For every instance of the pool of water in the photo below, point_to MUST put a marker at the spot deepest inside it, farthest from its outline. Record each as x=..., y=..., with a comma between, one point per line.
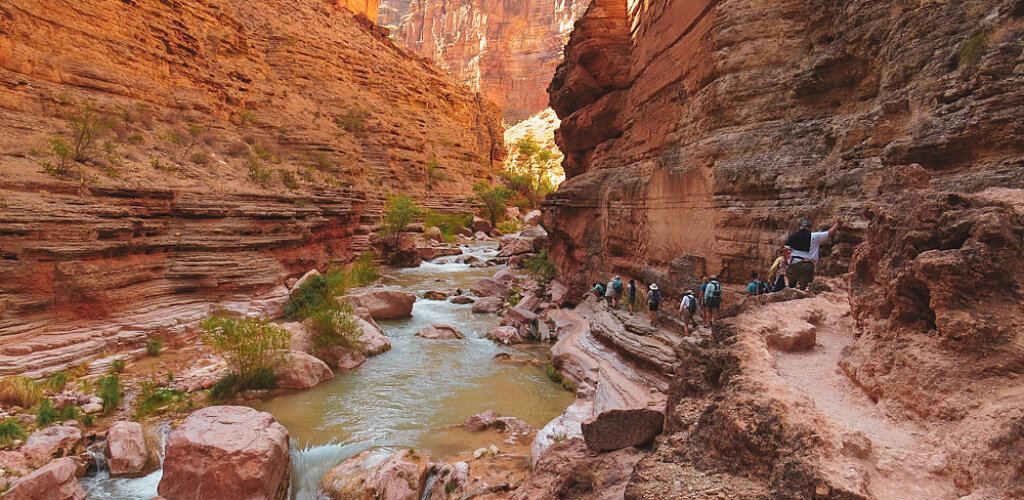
x=412, y=395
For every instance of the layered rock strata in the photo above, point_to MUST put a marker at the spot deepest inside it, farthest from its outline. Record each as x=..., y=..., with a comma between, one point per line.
x=711, y=128
x=506, y=50
x=238, y=144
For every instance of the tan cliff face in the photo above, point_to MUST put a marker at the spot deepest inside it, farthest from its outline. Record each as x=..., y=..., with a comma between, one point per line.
x=507, y=50
x=248, y=142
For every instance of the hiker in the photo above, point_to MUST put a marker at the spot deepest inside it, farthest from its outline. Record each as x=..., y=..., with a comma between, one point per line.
x=617, y=287
x=777, y=273
x=712, y=300
x=653, y=302
x=700, y=297
x=631, y=292
x=805, y=245
x=598, y=291
x=687, y=310
x=757, y=286
x=609, y=293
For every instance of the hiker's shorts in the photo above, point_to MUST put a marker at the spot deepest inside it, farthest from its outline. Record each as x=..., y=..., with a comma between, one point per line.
x=800, y=273
x=654, y=306
x=686, y=315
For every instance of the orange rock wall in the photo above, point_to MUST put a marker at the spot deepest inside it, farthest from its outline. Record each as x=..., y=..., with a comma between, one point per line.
x=368, y=8
x=508, y=50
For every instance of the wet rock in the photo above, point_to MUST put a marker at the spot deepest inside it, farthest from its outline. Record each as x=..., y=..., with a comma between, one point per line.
x=794, y=335
x=480, y=421
x=481, y=225
x=519, y=261
x=490, y=288
x=433, y=233
x=532, y=218
x=226, y=452
x=431, y=253
x=342, y=358
x=54, y=481
x=301, y=371
x=452, y=481
x=507, y=335
x=491, y=420
x=467, y=259
x=436, y=295
x=54, y=441
x=519, y=316
x=481, y=236
x=511, y=245
x=617, y=429
x=488, y=305
x=125, y=450
x=507, y=358
x=372, y=340
x=371, y=475
x=462, y=299
x=305, y=277
x=504, y=276
x=440, y=332
x=533, y=232
x=384, y=304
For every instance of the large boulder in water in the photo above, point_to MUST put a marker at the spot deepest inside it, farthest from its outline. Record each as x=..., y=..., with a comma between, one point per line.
x=372, y=340
x=372, y=475
x=384, y=304
x=301, y=371
x=511, y=245
x=481, y=225
x=440, y=332
x=44, y=444
x=125, y=450
x=490, y=288
x=54, y=481
x=488, y=305
x=226, y=452
x=505, y=335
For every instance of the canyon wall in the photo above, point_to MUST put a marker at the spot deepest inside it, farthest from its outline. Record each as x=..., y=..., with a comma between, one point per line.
x=507, y=50
x=236, y=144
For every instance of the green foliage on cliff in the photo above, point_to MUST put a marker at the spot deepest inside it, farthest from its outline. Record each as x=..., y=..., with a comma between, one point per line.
x=536, y=171
x=542, y=268
x=492, y=200
x=399, y=211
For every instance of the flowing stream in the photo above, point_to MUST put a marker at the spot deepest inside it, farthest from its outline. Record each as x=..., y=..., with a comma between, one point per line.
x=408, y=397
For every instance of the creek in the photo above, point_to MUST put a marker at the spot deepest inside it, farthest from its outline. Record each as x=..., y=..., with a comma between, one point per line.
x=409, y=397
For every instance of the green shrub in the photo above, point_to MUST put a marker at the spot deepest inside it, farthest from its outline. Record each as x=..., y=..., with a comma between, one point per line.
x=110, y=392
x=559, y=379
x=248, y=345
x=449, y=224
x=400, y=210
x=492, y=200
x=153, y=400
x=352, y=120
x=20, y=391
x=974, y=48
x=56, y=382
x=315, y=294
x=336, y=326
x=509, y=226
x=246, y=118
x=256, y=170
x=153, y=347
x=70, y=412
x=46, y=414
x=224, y=388
x=542, y=268
x=11, y=429
x=201, y=158
x=88, y=420
x=118, y=365
x=363, y=271
x=288, y=179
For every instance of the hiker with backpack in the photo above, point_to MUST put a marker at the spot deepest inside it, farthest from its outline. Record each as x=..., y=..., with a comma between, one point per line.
x=712, y=300
x=654, y=302
x=757, y=286
x=631, y=293
x=777, y=273
x=598, y=291
x=617, y=288
x=687, y=311
x=700, y=297
x=609, y=293
x=805, y=245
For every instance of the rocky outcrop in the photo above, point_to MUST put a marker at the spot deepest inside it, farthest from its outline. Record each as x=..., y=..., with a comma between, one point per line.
x=54, y=481
x=712, y=127
x=242, y=139
x=440, y=332
x=622, y=428
x=52, y=442
x=125, y=450
x=506, y=51
x=373, y=474
x=570, y=470
x=226, y=452
x=384, y=304
x=302, y=371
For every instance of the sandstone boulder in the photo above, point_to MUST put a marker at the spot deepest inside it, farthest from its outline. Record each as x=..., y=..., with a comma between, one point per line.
x=435, y=295
x=481, y=225
x=534, y=232
x=452, y=482
x=14, y=462
x=301, y=371
x=519, y=316
x=305, y=277
x=504, y=276
x=301, y=337
x=530, y=302
x=384, y=304
x=481, y=236
x=511, y=245
x=507, y=335
x=433, y=233
x=372, y=340
x=490, y=288
x=431, y=253
x=467, y=259
x=226, y=452
x=462, y=299
x=54, y=481
x=519, y=261
x=91, y=408
x=795, y=335
x=371, y=476
x=617, y=429
x=532, y=218
x=55, y=441
x=480, y=421
x=341, y=358
x=440, y=332
x=125, y=450
x=488, y=305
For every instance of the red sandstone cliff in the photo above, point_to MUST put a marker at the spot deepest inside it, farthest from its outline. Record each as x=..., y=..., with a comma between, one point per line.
x=248, y=142
x=506, y=50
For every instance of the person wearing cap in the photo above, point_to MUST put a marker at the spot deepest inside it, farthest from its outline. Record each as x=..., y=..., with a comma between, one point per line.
x=712, y=300
x=687, y=311
x=804, y=246
x=653, y=302
x=617, y=287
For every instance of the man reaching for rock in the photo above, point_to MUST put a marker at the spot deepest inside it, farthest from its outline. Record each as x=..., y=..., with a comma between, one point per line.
x=805, y=245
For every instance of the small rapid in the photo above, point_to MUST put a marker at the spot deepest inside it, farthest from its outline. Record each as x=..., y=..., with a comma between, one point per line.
x=412, y=396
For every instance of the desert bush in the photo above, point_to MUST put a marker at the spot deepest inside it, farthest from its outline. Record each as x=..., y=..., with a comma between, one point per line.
x=509, y=226
x=88, y=420
x=247, y=345
x=110, y=392
x=153, y=400
x=974, y=48
x=201, y=158
x=449, y=224
x=256, y=170
x=247, y=118
x=153, y=347
x=46, y=414
x=492, y=200
x=542, y=268
x=20, y=391
x=400, y=210
x=362, y=271
x=12, y=429
x=288, y=179
x=70, y=412
x=336, y=326
x=117, y=366
x=352, y=120
x=56, y=382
